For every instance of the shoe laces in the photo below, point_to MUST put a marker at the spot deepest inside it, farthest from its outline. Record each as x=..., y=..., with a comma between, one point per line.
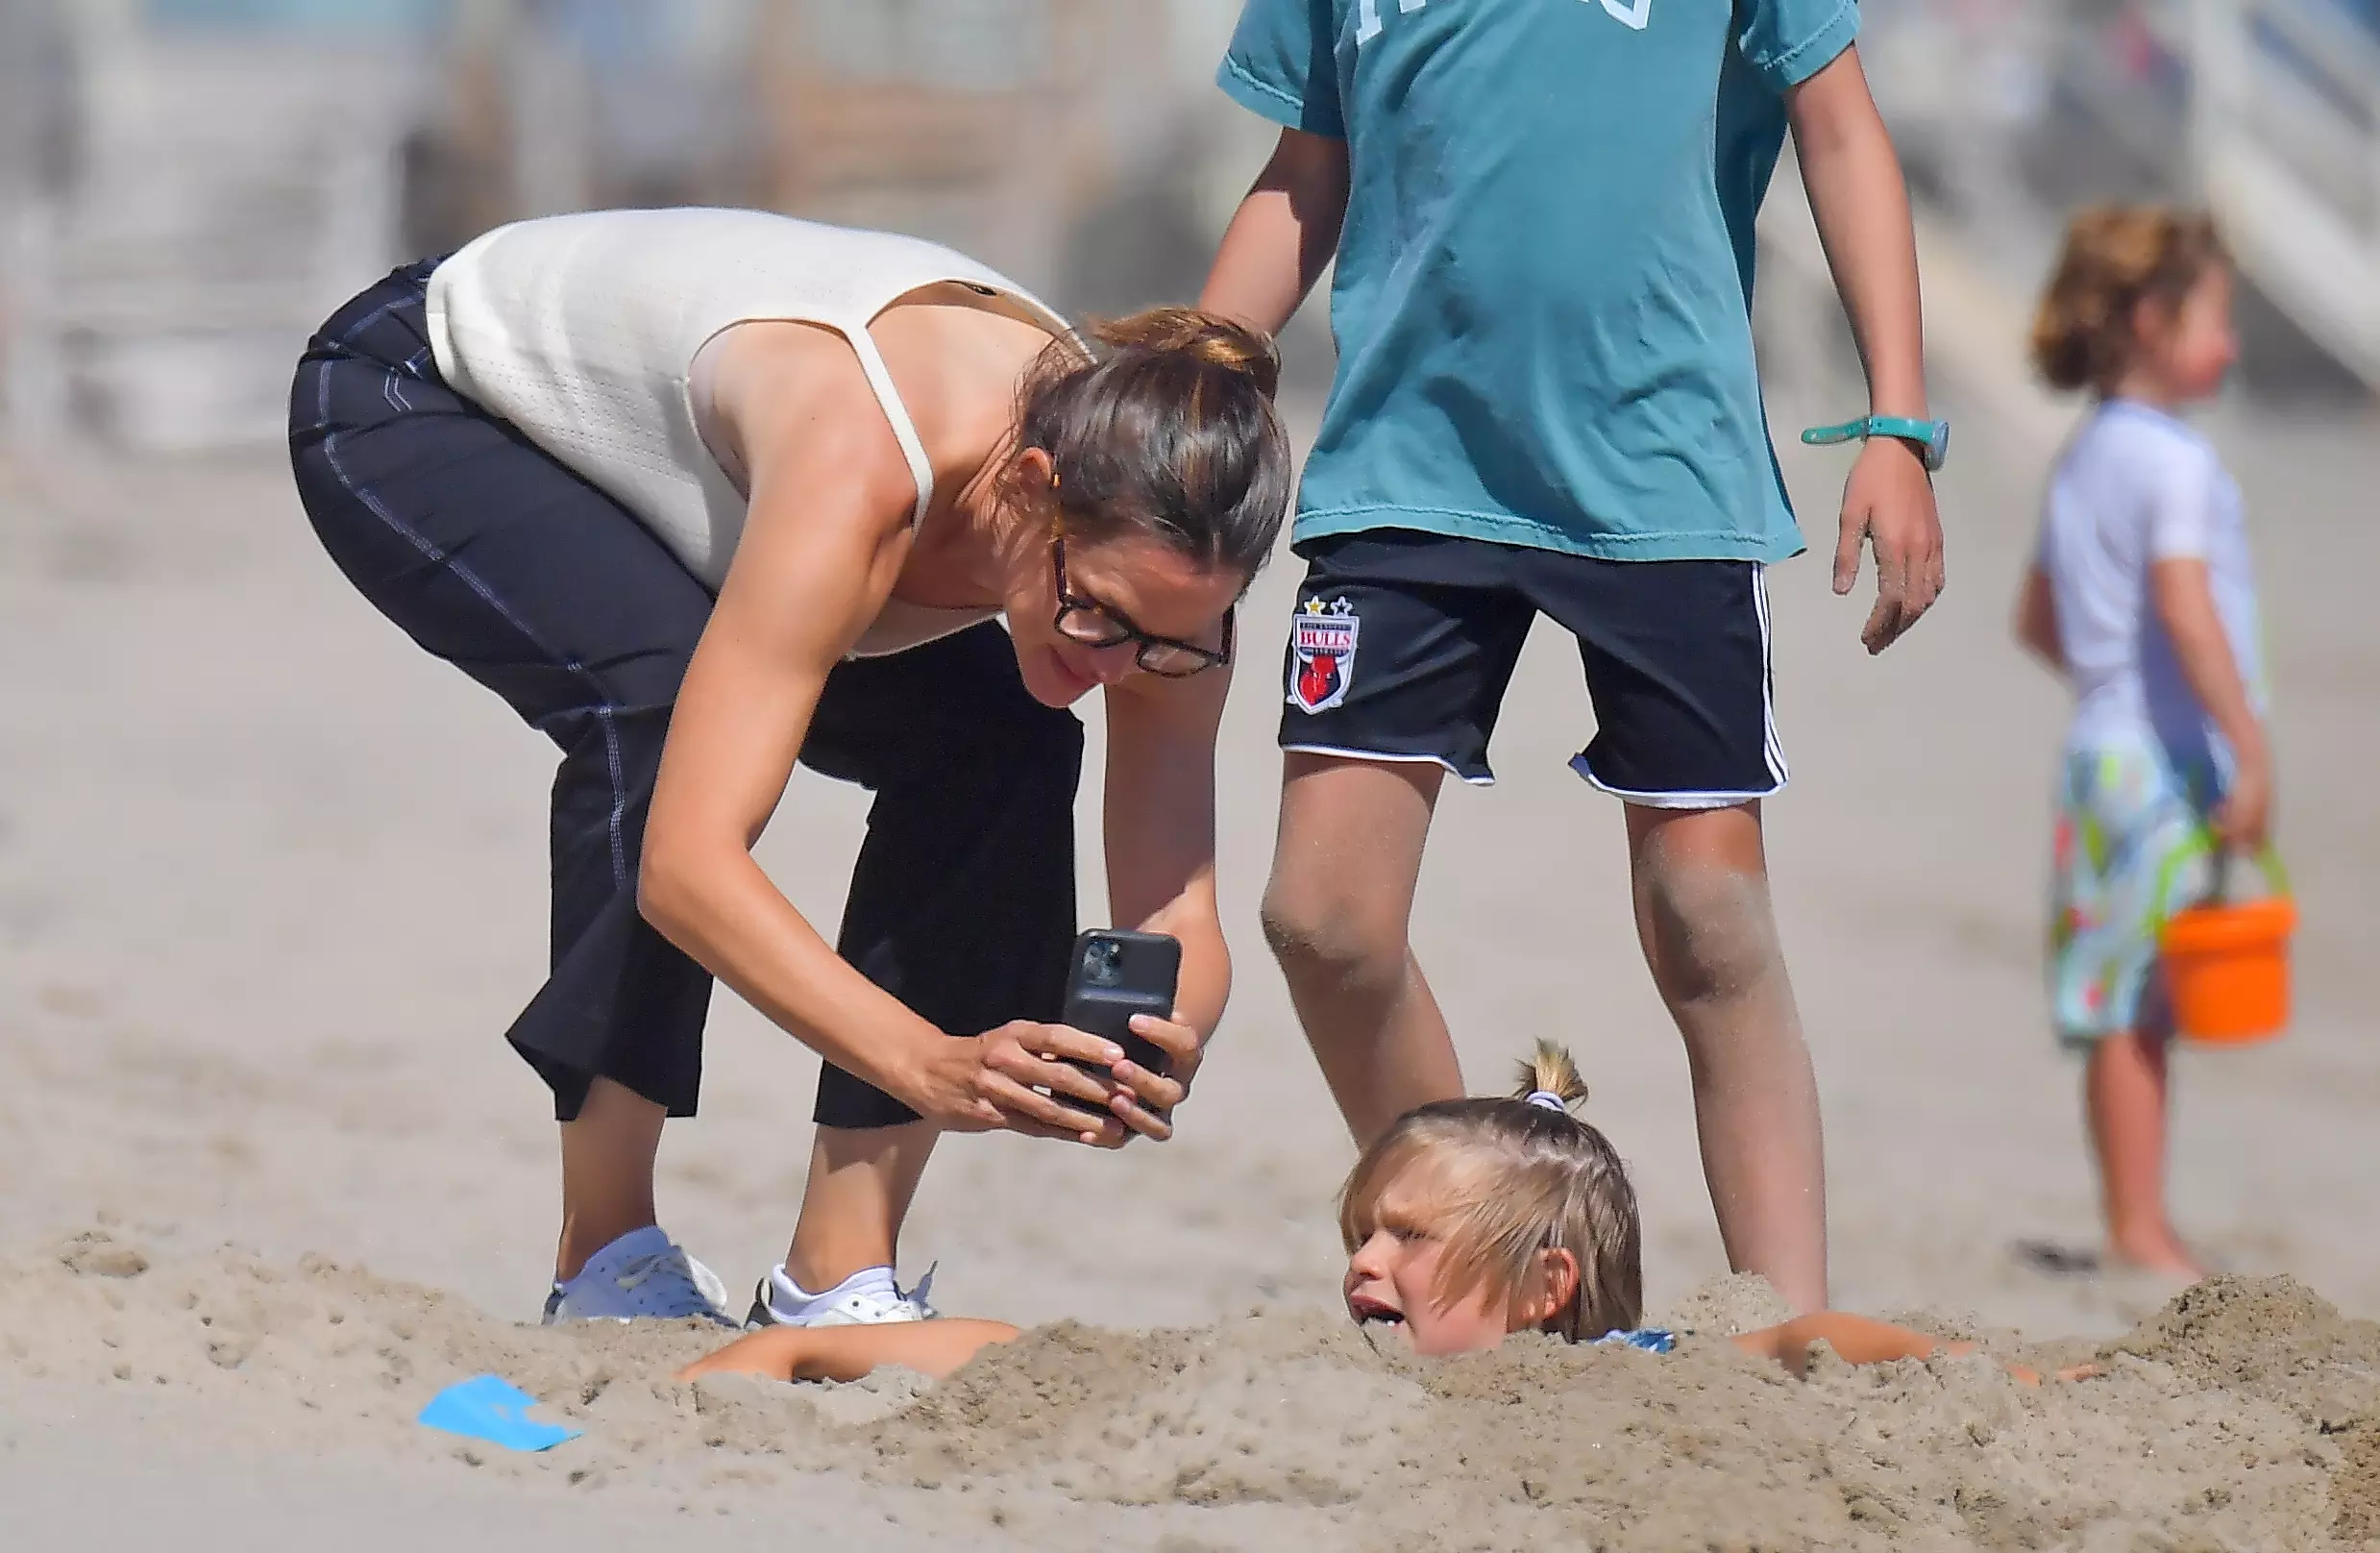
x=664, y=1280
x=899, y=1305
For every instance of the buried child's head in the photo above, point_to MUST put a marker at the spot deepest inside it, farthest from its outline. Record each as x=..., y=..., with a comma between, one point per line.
x=1468, y=1220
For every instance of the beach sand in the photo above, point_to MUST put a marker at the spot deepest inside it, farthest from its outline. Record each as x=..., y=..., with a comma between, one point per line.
x=272, y=885
x=2245, y=1414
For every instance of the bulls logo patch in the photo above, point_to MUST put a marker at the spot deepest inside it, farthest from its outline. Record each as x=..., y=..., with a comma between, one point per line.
x=1322, y=653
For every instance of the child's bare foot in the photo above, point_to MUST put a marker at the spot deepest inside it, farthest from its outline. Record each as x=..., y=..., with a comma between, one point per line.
x=2163, y=1255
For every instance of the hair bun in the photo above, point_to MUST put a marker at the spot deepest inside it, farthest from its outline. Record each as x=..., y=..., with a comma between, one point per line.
x=1214, y=340
x=1549, y=1070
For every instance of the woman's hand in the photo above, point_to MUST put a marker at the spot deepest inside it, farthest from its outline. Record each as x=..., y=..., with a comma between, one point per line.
x=992, y=1082
x=1146, y=1101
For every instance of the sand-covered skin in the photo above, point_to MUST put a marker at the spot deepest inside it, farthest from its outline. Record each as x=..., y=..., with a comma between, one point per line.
x=2242, y=1415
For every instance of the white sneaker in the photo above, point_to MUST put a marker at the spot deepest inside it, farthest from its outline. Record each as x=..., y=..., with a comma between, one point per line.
x=640, y=1275
x=878, y=1303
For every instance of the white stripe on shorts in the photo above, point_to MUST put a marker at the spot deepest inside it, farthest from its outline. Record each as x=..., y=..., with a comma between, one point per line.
x=1772, y=746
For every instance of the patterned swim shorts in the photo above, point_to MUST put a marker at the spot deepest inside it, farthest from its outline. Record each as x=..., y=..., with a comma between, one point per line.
x=2132, y=849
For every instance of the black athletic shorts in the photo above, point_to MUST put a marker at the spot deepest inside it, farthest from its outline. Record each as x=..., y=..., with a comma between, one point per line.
x=1402, y=644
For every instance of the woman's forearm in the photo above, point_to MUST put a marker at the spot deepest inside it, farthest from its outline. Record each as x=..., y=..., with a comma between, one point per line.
x=1160, y=828
x=1206, y=982
x=722, y=909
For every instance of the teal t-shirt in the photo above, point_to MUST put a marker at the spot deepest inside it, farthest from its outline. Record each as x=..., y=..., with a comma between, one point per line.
x=1542, y=297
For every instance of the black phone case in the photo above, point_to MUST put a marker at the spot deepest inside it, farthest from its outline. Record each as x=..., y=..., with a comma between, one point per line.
x=1147, y=973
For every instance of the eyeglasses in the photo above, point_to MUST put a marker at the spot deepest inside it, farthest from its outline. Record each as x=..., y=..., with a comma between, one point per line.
x=1093, y=623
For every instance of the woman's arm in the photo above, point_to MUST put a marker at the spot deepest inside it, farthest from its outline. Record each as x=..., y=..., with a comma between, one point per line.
x=1284, y=234
x=935, y=1348
x=2184, y=599
x=828, y=530
x=1863, y=209
x=2036, y=621
x=1160, y=832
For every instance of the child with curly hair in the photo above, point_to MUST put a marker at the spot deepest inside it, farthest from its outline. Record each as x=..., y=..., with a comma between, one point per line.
x=2142, y=598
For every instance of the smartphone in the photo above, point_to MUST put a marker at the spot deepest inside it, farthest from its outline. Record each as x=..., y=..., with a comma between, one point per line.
x=1116, y=973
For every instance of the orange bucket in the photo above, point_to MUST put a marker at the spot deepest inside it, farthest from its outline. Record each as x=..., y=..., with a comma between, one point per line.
x=2226, y=970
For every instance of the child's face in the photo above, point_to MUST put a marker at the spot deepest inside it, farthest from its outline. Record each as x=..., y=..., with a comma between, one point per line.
x=1393, y=1280
x=2193, y=347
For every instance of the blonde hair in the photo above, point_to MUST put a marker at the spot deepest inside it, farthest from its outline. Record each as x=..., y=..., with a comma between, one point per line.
x=2115, y=258
x=1509, y=1178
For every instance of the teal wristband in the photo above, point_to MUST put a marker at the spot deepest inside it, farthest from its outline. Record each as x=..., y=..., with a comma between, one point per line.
x=1930, y=438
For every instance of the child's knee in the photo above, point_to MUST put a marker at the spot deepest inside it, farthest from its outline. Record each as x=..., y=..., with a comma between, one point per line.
x=1713, y=936
x=1322, y=933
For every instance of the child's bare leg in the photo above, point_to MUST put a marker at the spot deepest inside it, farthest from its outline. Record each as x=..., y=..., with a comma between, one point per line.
x=607, y=1157
x=1337, y=913
x=2125, y=1102
x=1709, y=936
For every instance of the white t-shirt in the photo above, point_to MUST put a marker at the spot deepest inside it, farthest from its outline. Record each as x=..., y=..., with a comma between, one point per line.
x=2136, y=487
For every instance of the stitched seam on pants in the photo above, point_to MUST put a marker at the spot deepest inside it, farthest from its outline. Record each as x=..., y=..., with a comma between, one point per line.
x=430, y=552
x=347, y=336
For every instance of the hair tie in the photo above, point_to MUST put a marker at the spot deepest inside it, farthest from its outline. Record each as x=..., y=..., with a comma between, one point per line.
x=1547, y=1099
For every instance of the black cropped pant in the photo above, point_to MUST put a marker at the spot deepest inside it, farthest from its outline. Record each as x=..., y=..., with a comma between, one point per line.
x=492, y=555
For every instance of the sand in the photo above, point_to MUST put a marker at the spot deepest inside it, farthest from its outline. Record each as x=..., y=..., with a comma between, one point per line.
x=271, y=885
x=2241, y=1416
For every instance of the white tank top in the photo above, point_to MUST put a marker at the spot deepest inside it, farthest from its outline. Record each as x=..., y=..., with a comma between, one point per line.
x=582, y=332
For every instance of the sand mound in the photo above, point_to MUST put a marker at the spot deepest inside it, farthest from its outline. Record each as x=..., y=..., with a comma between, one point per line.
x=1725, y=1307
x=2247, y=1414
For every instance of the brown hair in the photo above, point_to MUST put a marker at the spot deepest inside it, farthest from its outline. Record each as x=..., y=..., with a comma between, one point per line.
x=1511, y=1177
x=1168, y=428
x=2115, y=258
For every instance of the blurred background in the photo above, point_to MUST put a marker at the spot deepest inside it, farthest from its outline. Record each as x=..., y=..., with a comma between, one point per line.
x=186, y=185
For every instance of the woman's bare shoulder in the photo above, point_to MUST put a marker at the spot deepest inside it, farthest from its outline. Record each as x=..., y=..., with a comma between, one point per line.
x=795, y=392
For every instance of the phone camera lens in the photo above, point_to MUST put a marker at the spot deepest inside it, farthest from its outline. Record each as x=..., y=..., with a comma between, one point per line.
x=1101, y=967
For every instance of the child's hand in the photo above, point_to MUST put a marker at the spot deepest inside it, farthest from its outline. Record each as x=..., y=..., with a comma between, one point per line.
x=2244, y=819
x=1889, y=499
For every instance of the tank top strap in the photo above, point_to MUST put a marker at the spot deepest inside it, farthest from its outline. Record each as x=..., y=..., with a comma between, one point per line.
x=904, y=429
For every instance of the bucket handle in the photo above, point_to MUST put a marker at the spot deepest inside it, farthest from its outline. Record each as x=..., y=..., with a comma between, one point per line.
x=2267, y=860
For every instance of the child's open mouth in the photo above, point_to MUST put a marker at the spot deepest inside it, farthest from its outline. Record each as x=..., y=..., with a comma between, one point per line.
x=1367, y=1309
